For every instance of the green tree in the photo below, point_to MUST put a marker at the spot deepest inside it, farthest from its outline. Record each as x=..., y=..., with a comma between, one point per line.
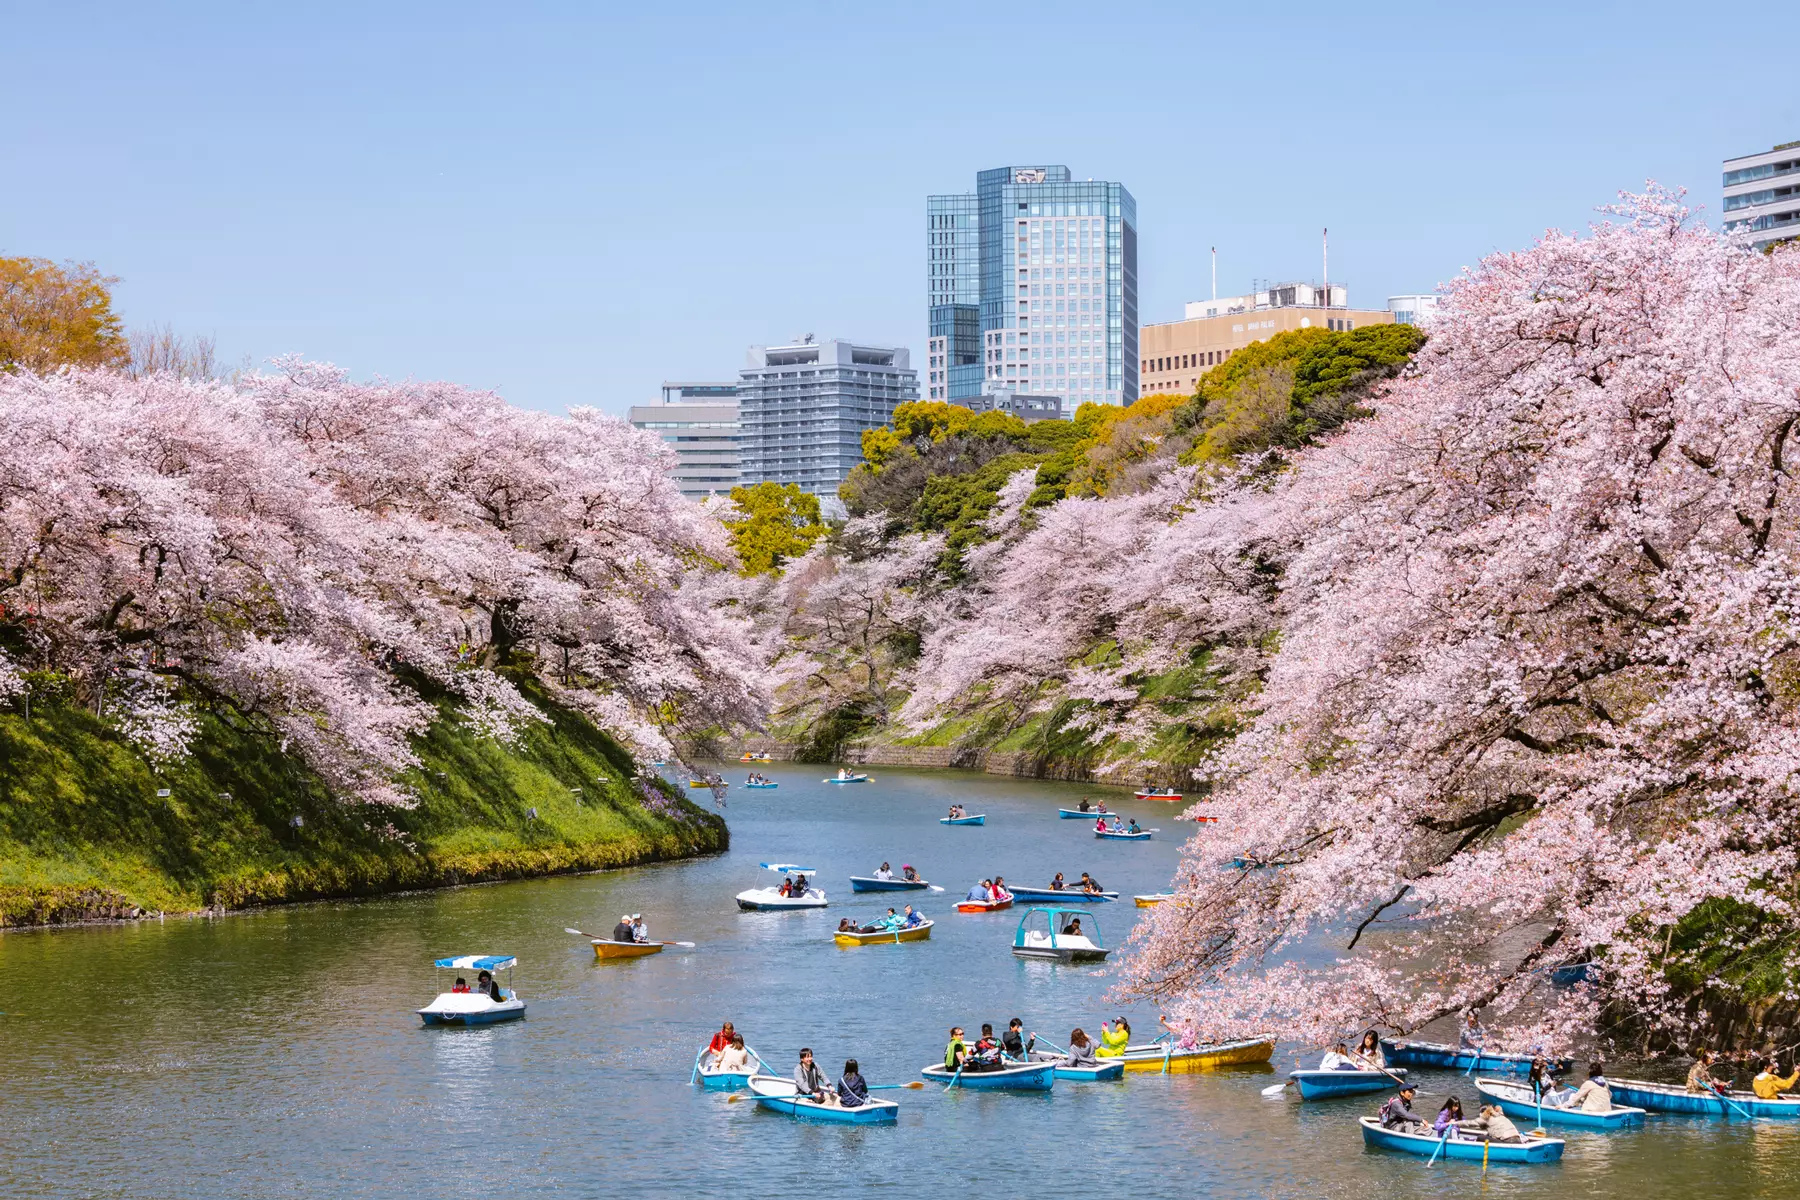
x=775, y=522
x=52, y=316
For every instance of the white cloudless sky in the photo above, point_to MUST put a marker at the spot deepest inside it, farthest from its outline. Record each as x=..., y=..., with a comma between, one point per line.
x=571, y=203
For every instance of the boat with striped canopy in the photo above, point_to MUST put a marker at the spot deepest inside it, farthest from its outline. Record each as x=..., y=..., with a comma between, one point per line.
x=1518, y=1100
x=783, y=1096
x=474, y=1008
x=1531, y=1150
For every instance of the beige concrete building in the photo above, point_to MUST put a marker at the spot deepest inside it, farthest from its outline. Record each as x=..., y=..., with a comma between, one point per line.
x=1176, y=354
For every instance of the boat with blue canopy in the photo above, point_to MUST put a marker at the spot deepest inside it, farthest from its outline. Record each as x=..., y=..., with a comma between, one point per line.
x=1531, y=1150
x=1013, y=1077
x=783, y=1096
x=469, y=1008
x=799, y=893
x=1453, y=1058
x=1328, y=1085
x=1061, y=937
x=1675, y=1098
x=1518, y=1100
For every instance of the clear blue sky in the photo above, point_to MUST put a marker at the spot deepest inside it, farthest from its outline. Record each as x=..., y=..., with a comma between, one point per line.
x=571, y=203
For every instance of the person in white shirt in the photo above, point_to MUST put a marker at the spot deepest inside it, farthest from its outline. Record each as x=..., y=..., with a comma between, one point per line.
x=1368, y=1052
x=639, y=931
x=886, y=872
x=1338, y=1059
x=734, y=1057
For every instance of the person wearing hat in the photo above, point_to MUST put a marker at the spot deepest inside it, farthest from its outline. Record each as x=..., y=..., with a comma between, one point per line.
x=910, y=875
x=622, y=932
x=1398, y=1112
x=639, y=931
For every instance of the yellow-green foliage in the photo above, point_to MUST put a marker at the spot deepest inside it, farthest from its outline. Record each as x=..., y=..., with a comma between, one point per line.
x=1120, y=437
x=83, y=832
x=776, y=522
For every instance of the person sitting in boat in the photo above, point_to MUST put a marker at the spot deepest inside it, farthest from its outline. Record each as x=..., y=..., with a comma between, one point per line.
x=956, y=1054
x=1100, y=825
x=1449, y=1114
x=885, y=873
x=734, y=1058
x=1398, y=1112
x=1338, y=1059
x=1699, y=1076
x=956, y=812
x=1100, y=807
x=622, y=932
x=997, y=890
x=721, y=1039
x=1014, y=1044
x=1057, y=884
x=640, y=932
x=1184, y=1034
x=1133, y=827
x=852, y=1089
x=1493, y=1125
x=892, y=921
x=462, y=986
x=843, y=773
x=1090, y=885
x=1072, y=928
x=1081, y=1051
x=985, y=1056
x=1541, y=1077
x=914, y=918
x=981, y=892
x=799, y=886
x=810, y=1080
x=787, y=887
x=1085, y=806
x=846, y=925
x=1114, y=1038
x=1768, y=1083
x=1472, y=1036
x=1368, y=1051
x=484, y=983
x=907, y=873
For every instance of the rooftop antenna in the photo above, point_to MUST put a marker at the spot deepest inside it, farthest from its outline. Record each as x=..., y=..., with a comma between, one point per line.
x=1215, y=260
x=1325, y=250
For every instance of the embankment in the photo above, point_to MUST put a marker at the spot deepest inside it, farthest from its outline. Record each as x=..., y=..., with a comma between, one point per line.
x=91, y=830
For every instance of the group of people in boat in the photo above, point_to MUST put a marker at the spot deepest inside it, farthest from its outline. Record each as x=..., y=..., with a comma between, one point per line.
x=850, y=1091
x=1087, y=884
x=792, y=886
x=892, y=923
x=1768, y=1083
x=631, y=928
x=1011, y=1049
x=1098, y=807
x=484, y=984
x=989, y=891
x=755, y=779
x=727, y=1053
x=1366, y=1057
x=958, y=812
x=1100, y=826
x=885, y=873
x=1491, y=1125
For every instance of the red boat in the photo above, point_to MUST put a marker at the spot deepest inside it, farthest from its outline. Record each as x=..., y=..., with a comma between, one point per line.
x=1157, y=795
x=983, y=905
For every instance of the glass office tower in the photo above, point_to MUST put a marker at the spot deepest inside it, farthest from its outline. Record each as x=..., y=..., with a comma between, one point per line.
x=1040, y=295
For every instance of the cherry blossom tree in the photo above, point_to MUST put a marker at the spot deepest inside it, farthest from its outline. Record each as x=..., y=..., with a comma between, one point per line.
x=1534, y=700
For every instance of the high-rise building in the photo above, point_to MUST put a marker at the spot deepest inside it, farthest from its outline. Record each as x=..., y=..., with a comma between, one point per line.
x=804, y=407
x=1762, y=195
x=1176, y=354
x=699, y=421
x=1032, y=282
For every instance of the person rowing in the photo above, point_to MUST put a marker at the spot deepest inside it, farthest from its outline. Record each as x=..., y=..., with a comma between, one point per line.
x=1090, y=885
x=1493, y=1125
x=986, y=1054
x=721, y=1039
x=956, y=1054
x=914, y=918
x=1133, y=827
x=892, y=921
x=624, y=931
x=1769, y=1084
x=1700, y=1076
x=1398, y=1112
x=810, y=1080
x=1013, y=1042
x=1057, y=884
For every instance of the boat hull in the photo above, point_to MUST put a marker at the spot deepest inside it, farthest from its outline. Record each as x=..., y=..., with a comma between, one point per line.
x=771, y=900
x=1208, y=1057
x=1122, y=836
x=605, y=950
x=1061, y=954
x=981, y=906
x=1438, y=1054
x=978, y=820
x=724, y=1081
x=852, y=779
x=1152, y=900
x=495, y=1014
x=917, y=933
x=1065, y=896
x=1536, y=1150
x=1171, y=797
x=863, y=883
x=1075, y=814
x=1034, y=1077
x=1674, y=1098
x=779, y=1095
x=759, y=786
x=1327, y=1085
x=1516, y=1101
x=1100, y=1074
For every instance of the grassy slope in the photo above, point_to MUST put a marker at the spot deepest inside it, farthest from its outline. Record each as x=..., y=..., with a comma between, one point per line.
x=83, y=832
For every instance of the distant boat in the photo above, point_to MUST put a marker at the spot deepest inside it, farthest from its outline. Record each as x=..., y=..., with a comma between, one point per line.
x=474, y=1008
x=1157, y=795
x=977, y=819
x=607, y=948
x=1076, y=814
x=1104, y=1072
x=1065, y=896
x=1327, y=1085
x=906, y=933
x=846, y=779
x=868, y=883
x=1124, y=835
x=761, y=785
x=1152, y=899
x=1453, y=1058
x=1054, y=941
x=1207, y=1056
x=783, y=1096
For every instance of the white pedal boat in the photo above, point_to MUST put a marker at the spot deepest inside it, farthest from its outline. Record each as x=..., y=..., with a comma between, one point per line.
x=770, y=899
x=474, y=1008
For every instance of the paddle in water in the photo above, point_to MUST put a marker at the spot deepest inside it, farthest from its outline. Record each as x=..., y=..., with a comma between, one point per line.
x=1440, y=1146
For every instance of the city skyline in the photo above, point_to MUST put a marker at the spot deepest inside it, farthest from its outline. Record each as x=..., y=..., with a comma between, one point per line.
x=571, y=213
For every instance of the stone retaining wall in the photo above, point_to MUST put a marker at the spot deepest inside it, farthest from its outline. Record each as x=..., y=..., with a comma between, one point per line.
x=1022, y=763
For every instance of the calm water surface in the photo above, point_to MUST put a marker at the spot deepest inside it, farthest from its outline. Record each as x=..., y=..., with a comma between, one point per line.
x=277, y=1055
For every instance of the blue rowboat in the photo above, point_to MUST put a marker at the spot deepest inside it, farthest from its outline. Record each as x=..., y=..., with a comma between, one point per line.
x=1517, y=1100
x=1438, y=1054
x=1066, y=896
x=847, y=779
x=1075, y=814
x=1025, y=1077
x=1531, y=1150
x=759, y=785
x=724, y=1081
x=1324, y=1085
x=1574, y=973
x=977, y=819
x=863, y=883
x=783, y=1096
x=1675, y=1098
x=1099, y=1074
x=1124, y=835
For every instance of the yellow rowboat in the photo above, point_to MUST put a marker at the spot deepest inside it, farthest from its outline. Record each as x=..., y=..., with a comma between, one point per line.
x=849, y=937
x=1207, y=1056
x=1153, y=899
x=604, y=948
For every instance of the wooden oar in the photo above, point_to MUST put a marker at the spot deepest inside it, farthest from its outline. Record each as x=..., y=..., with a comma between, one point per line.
x=882, y=1087
x=591, y=937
